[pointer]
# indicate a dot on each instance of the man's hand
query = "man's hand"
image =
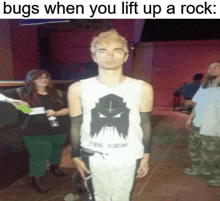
(81, 167)
(144, 166)
(188, 123)
(16, 103)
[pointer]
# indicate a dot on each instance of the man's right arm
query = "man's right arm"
(190, 118)
(193, 113)
(75, 112)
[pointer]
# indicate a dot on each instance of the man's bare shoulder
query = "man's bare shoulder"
(146, 101)
(75, 87)
(146, 86)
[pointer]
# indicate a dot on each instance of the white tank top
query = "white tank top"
(111, 119)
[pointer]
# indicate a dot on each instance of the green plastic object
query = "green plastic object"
(24, 109)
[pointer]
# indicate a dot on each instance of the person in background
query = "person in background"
(204, 121)
(112, 113)
(14, 102)
(188, 90)
(9, 115)
(45, 129)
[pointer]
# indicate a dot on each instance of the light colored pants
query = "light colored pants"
(111, 179)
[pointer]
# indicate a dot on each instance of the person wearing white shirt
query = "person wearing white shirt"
(204, 138)
(8, 115)
(110, 123)
(14, 102)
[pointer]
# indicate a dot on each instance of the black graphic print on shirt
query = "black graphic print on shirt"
(110, 116)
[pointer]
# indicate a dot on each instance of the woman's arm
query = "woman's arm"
(62, 112)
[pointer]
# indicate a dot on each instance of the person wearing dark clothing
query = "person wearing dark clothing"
(45, 129)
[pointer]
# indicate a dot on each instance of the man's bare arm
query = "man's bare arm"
(146, 105)
(190, 118)
(74, 100)
(146, 128)
(75, 125)
(75, 112)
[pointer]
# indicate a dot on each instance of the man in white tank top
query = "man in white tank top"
(110, 123)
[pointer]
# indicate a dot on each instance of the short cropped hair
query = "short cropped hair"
(108, 36)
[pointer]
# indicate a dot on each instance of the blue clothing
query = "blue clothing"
(188, 90)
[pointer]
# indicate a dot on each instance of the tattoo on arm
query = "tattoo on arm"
(146, 128)
(75, 125)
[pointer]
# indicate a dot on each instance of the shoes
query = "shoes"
(56, 171)
(37, 184)
(196, 170)
(71, 197)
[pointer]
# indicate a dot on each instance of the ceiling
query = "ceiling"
(176, 30)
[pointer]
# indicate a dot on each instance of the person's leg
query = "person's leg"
(88, 180)
(135, 177)
(210, 151)
(194, 147)
(39, 151)
(97, 183)
(123, 181)
(57, 142)
(110, 180)
(211, 158)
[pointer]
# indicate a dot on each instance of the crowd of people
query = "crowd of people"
(110, 124)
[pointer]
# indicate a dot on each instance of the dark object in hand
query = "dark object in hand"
(78, 184)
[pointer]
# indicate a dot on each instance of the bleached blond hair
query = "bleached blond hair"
(108, 37)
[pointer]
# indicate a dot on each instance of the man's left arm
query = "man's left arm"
(146, 105)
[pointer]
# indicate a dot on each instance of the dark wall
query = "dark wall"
(24, 46)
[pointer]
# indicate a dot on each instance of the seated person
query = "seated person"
(188, 90)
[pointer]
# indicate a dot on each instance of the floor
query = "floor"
(164, 182)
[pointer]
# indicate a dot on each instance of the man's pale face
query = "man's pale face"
(214, 70)
(110, 56)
